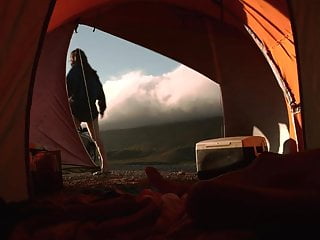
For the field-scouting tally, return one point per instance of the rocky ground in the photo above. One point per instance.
(131, 181)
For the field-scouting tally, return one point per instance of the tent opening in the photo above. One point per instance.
(157, 108)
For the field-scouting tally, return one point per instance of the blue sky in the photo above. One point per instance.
(113, 56)
(143, 87)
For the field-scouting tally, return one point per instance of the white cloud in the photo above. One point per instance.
(136, 99)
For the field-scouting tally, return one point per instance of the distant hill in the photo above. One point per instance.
(172, 143)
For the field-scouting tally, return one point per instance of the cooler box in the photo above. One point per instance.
(217, 156)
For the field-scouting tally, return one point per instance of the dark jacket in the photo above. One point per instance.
(78, 96)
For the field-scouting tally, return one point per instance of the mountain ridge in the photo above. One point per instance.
(171, 143)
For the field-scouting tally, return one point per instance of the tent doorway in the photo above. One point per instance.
(148, 93)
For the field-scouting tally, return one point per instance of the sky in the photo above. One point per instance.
(143, 87)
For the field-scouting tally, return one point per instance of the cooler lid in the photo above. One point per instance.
(231, 142)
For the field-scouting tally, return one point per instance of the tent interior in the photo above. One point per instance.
(208, 44)
(262, 53)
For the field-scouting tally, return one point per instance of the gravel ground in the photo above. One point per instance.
(131, 181)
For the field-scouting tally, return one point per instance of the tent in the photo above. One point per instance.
(263, 53)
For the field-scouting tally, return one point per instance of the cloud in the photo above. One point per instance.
(136, 99)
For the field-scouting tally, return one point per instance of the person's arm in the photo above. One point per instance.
(70, 86)
(101, 100)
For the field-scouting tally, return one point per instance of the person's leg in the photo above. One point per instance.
(95, 134)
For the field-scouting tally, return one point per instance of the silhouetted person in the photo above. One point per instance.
(84, 90)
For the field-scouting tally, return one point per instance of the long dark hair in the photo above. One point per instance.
(80, 57)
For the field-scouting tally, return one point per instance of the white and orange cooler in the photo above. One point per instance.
(217, 156)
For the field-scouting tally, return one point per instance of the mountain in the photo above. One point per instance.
(171, 144)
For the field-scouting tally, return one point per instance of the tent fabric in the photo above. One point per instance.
(188, 31)
(274, 29)
(23, 24)
(235, 51)
(306, 19)
(51, 123)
